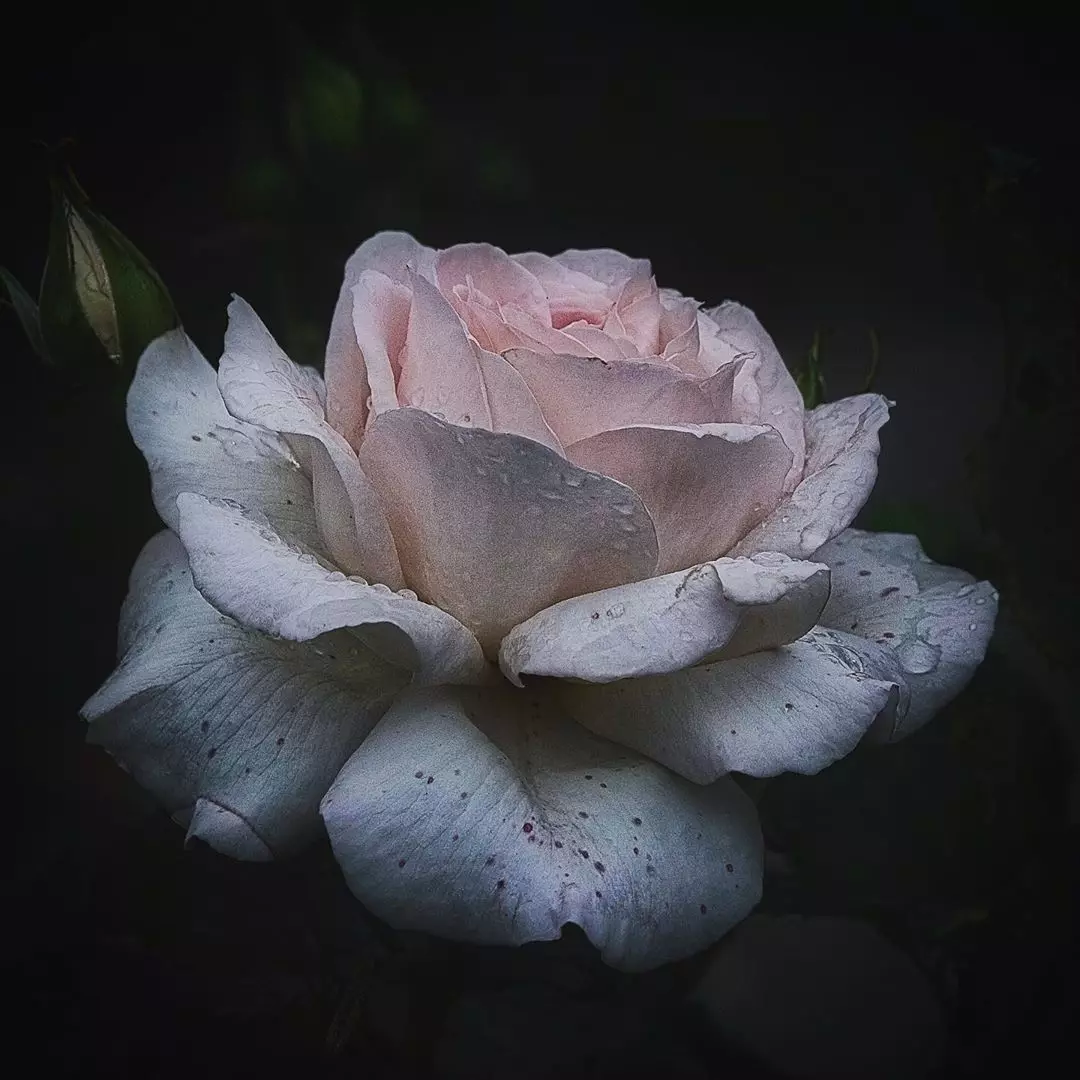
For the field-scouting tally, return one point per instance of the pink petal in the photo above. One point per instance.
(640, 313)
(580, 397)
(494, 527)
(380, 323)
(490, 270)
(765, 392)
(389, 253)
(439, 371)
(540, 337)
(572, 295)
(704, 485)
(604, 265)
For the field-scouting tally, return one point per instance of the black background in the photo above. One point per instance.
(912, 174)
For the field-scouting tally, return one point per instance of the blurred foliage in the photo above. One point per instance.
(810, 375)
(332, 143)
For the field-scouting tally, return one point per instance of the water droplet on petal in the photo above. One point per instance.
(628, 526)
(778, 411)
(626, 509)
(785, 519)
(973, 626)
(981, 600)
(571, 480)
(965, 590)
(554, 496)
(918, 657)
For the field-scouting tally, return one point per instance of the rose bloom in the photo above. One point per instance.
(502, 600)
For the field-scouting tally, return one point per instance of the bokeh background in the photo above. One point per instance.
(905, 184)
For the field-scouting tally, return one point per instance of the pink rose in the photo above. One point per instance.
(503, 600)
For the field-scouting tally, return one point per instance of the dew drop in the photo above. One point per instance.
(918, 657)
(965, 590)
(553, 496)
(778, 411)
(626, 509)
(981, 600)
(973, 626)
(785, 519)
(570, 480)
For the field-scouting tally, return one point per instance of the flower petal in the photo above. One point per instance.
(765, 392)
(247, 571)
(728, 607)
(937, 620)
(841, 467)
(451, 376)
(494, 527)
(572, 295)
(236, 732)
(580, 397)
(380, 323)
(797, 708)
(705, 485)
(485, 816)
(439, 371)
(191, 443)
(490, 270)
(261, 385)
(391, 254)
(605, 265)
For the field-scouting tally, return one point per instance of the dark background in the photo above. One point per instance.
(913, 176)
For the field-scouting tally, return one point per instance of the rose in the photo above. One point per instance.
(551, 464)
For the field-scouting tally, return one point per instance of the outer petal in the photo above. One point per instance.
(581, 397)
(391, 254)
(191, 443)
(237, 734)
(765, 390)
(704, 485)
(728, 607)
(247, 571)
(793, 709)
(261, 385)
(841, 467)
(487, 817)
(937, 620)
(492, 528)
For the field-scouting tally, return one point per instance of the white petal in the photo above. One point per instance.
(727, 607)
(936, 619)
(192, 443)
(261, 385)
(235, 731)
(484, 816)
(797, 708)
(823, 997)
(841, 467)
(247, 571)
